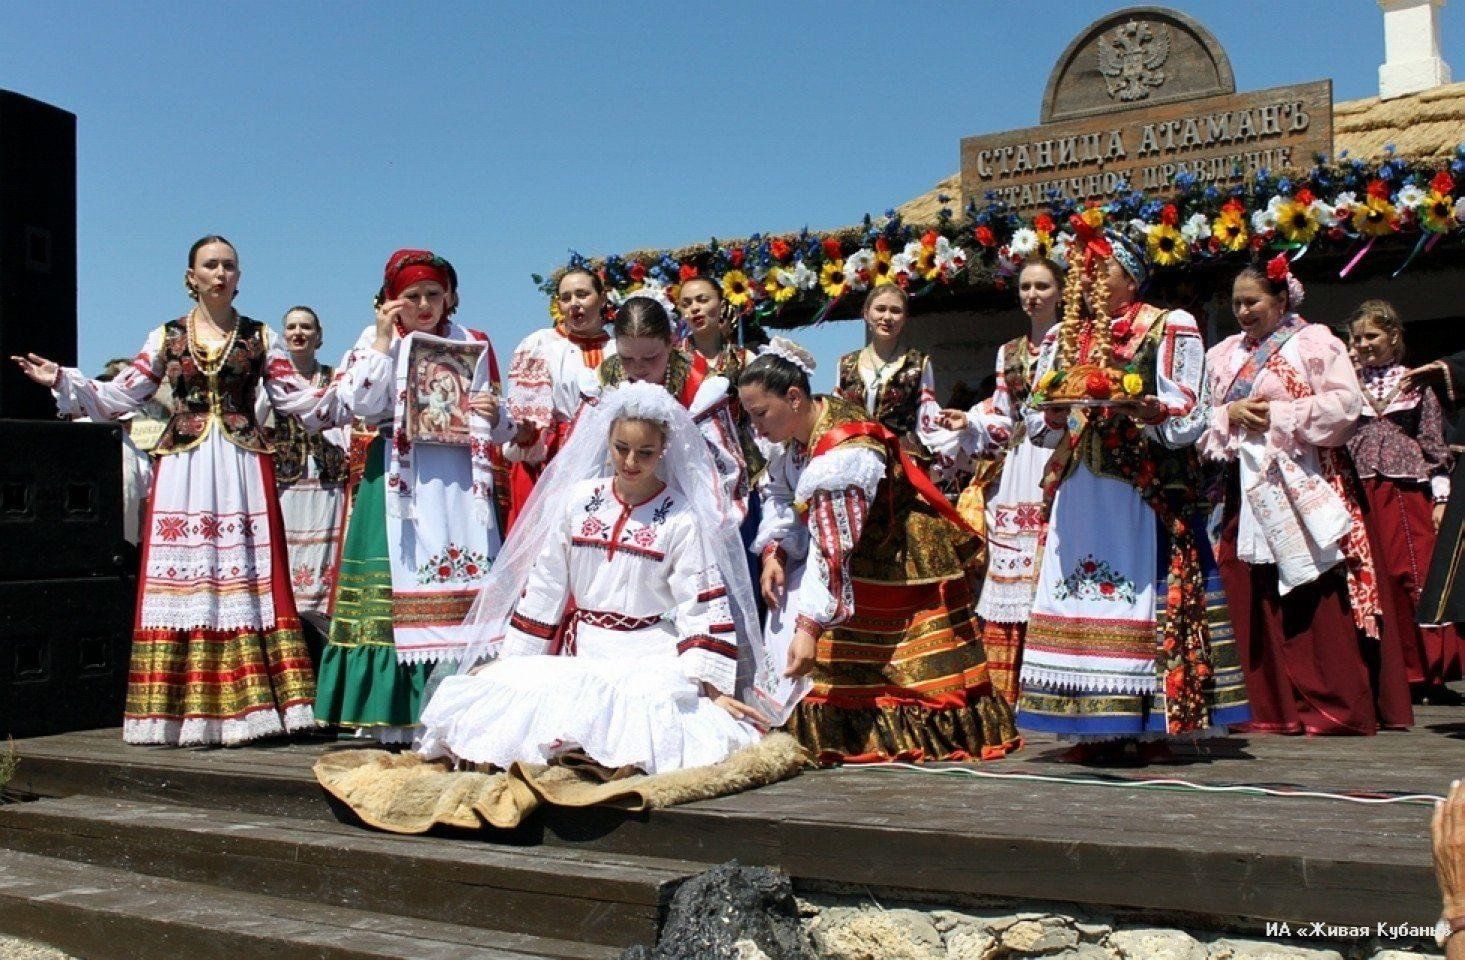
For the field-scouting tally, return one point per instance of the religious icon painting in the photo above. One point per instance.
(439, 381)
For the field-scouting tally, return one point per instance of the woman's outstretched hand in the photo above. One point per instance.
(39, 369)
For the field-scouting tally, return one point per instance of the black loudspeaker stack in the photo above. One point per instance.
(67, 576)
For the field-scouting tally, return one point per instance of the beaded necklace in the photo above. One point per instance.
(207, 364)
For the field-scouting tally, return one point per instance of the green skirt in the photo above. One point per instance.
(360, 683)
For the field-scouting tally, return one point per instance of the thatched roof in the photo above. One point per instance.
(1427, 124)
(1424, 125)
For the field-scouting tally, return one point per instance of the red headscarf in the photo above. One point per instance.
(406, 267)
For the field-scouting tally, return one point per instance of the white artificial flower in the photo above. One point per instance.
(903, 264)
(1460, 209)
(1412, 197)
(1264, 221)
(1006, 262)
(1138, 229)
(1196, 229)
(803, 277)
(1024, 242)
(858, 266)
(1325, 214)
(1059, 253)
(1345, 200)
(950, 258)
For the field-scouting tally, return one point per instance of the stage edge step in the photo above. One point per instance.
(105, 914)
(580, 895)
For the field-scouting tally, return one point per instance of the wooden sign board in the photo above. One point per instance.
(1217, 140)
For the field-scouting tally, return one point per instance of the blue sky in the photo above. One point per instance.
(322, 136)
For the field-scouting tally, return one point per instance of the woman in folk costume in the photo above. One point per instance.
(1443, 598)
(1015, 513)
(896, 387)
(425, 523)
(310, 476)
(551, 372)
(1401, 456)
(1127, 642)
(709, 321)
(1318, 645)
(620, 612)
(644, 353)
(865, 566)
(217, 655)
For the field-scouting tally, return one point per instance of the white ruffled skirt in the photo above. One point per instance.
(635, 708)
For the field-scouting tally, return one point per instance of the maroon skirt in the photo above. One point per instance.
(1404, 525)
(1308, 667)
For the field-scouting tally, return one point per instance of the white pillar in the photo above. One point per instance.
(1412, 59)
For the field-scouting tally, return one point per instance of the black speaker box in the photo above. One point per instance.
(64, 650)
(61, 500)
(37, 246)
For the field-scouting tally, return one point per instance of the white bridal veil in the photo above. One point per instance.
(686, 467)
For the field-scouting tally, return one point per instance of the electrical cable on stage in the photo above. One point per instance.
(1160, 783)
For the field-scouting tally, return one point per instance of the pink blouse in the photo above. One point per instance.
(1325, 419)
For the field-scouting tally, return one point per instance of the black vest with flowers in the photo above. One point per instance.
(223, 400)
(898, 400)
(295, 447)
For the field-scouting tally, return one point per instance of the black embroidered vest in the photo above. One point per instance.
(224, 400)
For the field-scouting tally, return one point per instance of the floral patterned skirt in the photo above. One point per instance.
(217, 655)
(313, 514)
(1089, 670)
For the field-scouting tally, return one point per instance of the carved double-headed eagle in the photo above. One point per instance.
(1130, 59)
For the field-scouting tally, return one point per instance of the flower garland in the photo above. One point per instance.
(794, 279)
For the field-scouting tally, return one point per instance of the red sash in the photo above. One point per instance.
(695, 376)
(918, 477)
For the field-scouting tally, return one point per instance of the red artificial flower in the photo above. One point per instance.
(638, 271)
(1278, 267)
(1378, 190)
(882, 245)
(1096, 384)
(1044, 223)
(1443, 183)
(1234, 205)
(735, 257)
(928, 239)
(1259, 240)
(1122, 327)
(687, 272)
(444, 571)
(780, 249)
(832, 249)
(1169, 215)
(985, 236)
(1304, 197)
(472, 569)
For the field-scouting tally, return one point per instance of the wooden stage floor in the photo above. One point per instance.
(1215, 859)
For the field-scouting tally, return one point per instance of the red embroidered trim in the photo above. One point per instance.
(701, 642)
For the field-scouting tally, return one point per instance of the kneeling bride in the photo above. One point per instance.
(619, 619)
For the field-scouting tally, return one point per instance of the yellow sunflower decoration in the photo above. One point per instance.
(1165, 245)
(735, 288)
(1438, 213)
(1296, 223)
(832, 279)
(1374, 217)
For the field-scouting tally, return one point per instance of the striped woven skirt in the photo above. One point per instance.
(904, 678)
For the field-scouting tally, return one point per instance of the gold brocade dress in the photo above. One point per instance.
(881, 576)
